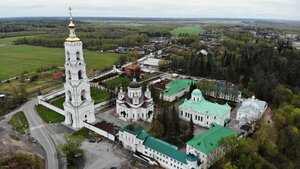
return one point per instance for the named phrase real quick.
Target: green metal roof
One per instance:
(210, 140)
(157, 144)
(205, 107)
(134, 129)
(142, 135)
(165, 148)
(177, 85)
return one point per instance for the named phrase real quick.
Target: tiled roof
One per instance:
(210, 139)
(176, 86)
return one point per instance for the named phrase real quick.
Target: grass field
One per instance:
(49, 116)
(19, 122)
(97, 95)
(16, 59)
(124, 81)
(190, 30)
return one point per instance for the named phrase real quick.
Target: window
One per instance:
(201, 118)
(80, 74)
(68, 55)
(181, 113)
(215, 117)
(83, 95)
(70, 95)
(85, 116)
(77, 55)
(69, 75)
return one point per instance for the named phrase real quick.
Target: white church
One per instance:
(78, 105)
(134, 104)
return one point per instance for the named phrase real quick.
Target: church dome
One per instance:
(134, 84)
(197, 92)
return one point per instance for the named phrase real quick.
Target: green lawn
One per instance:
(16, 59)
(124, 81)
(19, 122)
(99, 95)
(49, 116)
(58, 101)
(190, 30)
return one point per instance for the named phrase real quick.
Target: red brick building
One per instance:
(133, 70)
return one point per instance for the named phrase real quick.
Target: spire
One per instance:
(72, 36)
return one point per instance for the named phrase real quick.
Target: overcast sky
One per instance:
(268, 9)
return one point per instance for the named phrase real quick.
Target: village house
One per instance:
(133, 70)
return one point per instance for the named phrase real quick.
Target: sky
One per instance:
(264, 9)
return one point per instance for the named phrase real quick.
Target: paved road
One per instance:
(40, 132)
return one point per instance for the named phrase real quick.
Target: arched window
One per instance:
(78, 55)
(80, 74)
(69, 95)
(69, 75)
(68, 55)
(83, 97)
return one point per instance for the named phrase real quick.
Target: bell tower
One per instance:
(78, 105)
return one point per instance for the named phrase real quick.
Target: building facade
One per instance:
(135, 105)
(207, 146)
(251, 110)
(202, 112)
(155, 151)
(78, 105)
(175, 89)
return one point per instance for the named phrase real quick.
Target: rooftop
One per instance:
(133, 67)
(210, 140)
(165, 148)
(108, 127)
(205, 107)
(134, 129)
(176, 86)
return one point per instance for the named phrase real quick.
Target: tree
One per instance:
(191, 129)
(157, 129)
(71, 149)
(282, 95)
(165, 120)
(193, 86)
(175, 118)
(162, 64)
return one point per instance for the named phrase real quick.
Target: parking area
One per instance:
(105, 154)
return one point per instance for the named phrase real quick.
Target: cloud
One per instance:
(273, 9)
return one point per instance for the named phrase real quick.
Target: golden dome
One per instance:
(71, 25)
